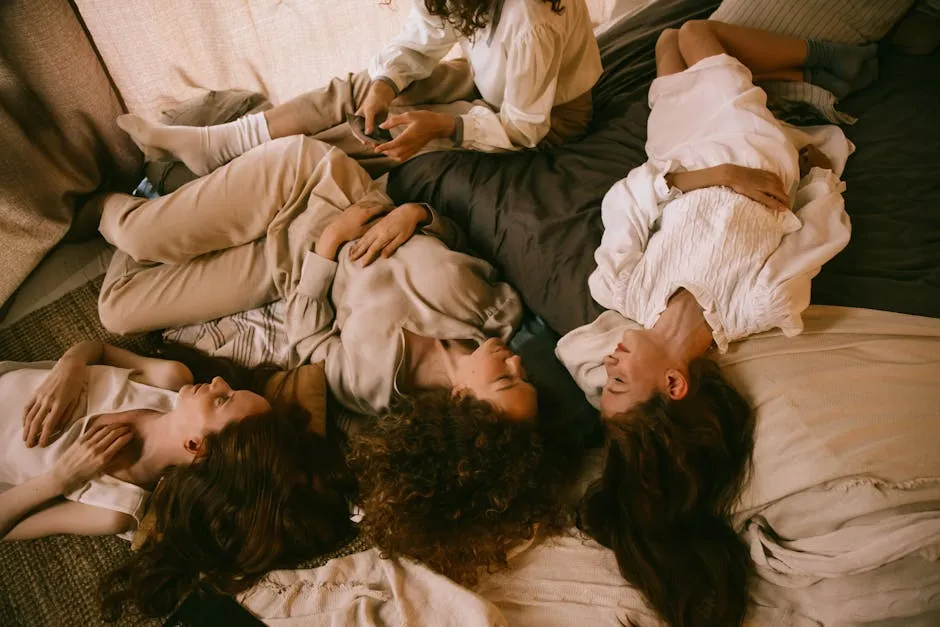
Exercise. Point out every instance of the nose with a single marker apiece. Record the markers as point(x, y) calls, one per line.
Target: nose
point(610, 360)
point(515, 365)
point(219, 384)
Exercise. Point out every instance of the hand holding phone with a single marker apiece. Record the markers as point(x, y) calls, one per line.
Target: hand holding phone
point(358, 125)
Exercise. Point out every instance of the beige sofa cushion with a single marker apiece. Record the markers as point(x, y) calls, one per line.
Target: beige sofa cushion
point(57, 135)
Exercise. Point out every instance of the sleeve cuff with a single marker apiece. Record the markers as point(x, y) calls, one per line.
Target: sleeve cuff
point(316, 276)
point(457, 137)
point(664, 193)
point(390, 82)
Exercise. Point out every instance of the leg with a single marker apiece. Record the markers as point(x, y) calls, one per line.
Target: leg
point(770, 56)
point(761, 51)
point(668, 57)
point(232, 206)
point(136, 297)
point(205, 148)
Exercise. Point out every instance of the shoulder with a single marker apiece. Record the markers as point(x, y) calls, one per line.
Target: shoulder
point(531, 17)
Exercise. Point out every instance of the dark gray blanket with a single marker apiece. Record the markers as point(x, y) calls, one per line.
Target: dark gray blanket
point(536, 215)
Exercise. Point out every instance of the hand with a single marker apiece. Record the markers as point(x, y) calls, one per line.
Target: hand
point(811, 157)
point(375, 105)
point(762, 186)
point(351, 224)
point(88, 457)
point(53, 401)
point(386, 235)
point(421, 127)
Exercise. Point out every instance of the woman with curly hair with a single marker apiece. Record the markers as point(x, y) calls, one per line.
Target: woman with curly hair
point(453, 486)
point(370, 289)
point(526, 82)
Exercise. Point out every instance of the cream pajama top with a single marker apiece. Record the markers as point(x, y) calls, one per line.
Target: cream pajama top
point(107, 390)
point(748, 267)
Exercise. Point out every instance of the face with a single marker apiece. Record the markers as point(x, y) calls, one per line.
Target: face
point(211, 406)
point(494, 373)
point(636, 370)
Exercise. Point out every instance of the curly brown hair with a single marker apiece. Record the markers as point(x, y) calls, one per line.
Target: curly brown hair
point(674, 469)
point(469, 16)
point(265, 493)
point(449, 481)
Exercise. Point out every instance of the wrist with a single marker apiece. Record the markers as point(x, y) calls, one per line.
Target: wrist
point(55, 482)
point(447, 127)
point(326, 246)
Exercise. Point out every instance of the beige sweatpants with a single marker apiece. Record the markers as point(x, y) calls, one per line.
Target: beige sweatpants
point(229, 241)
point(449, 89)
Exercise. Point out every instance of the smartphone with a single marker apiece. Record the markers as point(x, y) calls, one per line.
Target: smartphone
point(358, 125)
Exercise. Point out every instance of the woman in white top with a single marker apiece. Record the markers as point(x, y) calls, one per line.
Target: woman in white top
point(100, 408)
point(238, 487)
point(701, 247)
point(529, 69)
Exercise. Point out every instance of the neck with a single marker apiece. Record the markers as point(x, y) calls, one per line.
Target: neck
point(160, 440)
point(430, 363)
point(682, 329)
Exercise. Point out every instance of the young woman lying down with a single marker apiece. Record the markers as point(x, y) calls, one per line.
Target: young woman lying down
point(716, 237)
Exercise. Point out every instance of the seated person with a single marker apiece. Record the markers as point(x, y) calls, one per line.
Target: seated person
point(409, 329)
point(700, 248)
point(529, 69)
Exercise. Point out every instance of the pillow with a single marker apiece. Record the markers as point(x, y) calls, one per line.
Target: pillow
point(844, 21)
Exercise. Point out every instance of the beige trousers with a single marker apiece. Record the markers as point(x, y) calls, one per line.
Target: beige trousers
point(449, 89)
point(229, 241)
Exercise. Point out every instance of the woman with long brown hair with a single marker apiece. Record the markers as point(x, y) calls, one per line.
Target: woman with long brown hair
point(701, 248)
point(526, 82)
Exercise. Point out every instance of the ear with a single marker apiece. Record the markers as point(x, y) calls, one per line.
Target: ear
point(193, 447)
point(677, 384)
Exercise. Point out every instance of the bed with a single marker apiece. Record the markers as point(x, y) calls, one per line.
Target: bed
point(848, 412)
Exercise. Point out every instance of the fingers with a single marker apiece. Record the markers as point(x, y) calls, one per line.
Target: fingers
point(399, 119)
point(392, 246)
point(35, 426)
point(49, 425)
point(373, 252)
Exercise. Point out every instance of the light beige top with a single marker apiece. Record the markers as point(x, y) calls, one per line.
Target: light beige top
point(107, 390)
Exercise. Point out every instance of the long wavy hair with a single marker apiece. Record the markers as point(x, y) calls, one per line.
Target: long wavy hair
point(264, 493)
point(469, 16)
point(674, 470)
point(450, 482)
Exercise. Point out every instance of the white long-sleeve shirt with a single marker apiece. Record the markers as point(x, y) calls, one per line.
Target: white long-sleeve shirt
point(749, 268)
point(525, 61)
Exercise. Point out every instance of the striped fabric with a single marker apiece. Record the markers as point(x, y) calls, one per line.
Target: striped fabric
point(844, 21)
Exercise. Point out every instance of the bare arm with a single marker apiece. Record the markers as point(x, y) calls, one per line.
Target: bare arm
point(72, 518)
point(57, 397)
point(160, 373)
point(20, 514)
point(760, 185)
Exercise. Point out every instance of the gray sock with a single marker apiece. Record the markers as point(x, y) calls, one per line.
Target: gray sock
point(842, 61)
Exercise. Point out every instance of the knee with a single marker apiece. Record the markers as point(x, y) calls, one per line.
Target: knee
point(693, 30)
point(668, 39)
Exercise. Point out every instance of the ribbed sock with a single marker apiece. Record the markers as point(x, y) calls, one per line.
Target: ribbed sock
point(201, 148)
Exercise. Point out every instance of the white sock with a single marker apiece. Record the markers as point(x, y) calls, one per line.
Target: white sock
point(201, 148)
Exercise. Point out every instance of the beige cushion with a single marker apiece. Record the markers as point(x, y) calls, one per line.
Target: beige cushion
point(56, 131)
point(844, 21)
point(163, 53)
